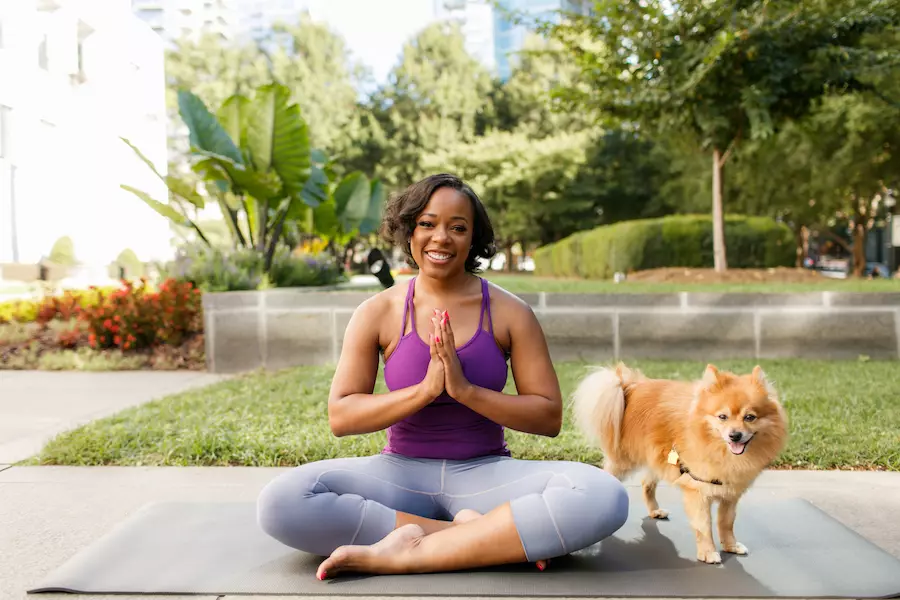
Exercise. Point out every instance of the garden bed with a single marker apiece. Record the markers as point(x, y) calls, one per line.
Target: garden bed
point(28, 346)
point(843, 415)
point(132, 327)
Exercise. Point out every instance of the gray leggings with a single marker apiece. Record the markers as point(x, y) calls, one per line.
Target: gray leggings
point(558, 507)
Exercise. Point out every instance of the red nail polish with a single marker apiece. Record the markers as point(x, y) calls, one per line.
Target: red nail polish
point(438, 340)
point(540, 567)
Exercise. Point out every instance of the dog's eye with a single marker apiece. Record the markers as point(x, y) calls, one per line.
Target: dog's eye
point(749, 418)
point(723, 417)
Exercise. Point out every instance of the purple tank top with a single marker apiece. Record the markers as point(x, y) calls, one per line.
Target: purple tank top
point(446, 429)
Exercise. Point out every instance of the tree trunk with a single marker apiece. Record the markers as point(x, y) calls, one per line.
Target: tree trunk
point(801, 236)
point(859, 247)
point(719, 259)
point(509, 257)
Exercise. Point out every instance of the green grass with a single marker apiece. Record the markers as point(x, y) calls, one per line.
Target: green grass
point(528, 283)
point(843, 415)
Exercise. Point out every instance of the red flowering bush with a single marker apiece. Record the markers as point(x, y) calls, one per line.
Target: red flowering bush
point(134, 317)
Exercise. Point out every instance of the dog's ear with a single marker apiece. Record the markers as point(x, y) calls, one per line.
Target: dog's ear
point(710, 376)
point(758, 375)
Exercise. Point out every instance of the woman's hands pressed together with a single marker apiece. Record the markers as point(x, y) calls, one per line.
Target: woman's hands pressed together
point(455, 382)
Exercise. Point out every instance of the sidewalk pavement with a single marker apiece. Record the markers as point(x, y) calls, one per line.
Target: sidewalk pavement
point(49, 514)
point(37, 405)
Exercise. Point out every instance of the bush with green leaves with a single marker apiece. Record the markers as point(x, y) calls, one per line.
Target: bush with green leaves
point(243, 269)
point(673, 241)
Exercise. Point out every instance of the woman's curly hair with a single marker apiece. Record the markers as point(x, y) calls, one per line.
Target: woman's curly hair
point(401, 212)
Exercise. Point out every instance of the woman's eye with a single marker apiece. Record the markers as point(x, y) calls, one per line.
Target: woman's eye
point(424, 224)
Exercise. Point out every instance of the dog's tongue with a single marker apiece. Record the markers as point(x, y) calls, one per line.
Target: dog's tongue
point(737, 447)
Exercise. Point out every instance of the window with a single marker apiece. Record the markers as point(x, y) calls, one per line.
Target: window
point(5, 134)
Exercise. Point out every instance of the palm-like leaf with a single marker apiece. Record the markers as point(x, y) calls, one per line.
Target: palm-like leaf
point(278, 139)
point(206, 133)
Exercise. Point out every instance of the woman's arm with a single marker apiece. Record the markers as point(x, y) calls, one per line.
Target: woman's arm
point(352, 407)
point(537, 408)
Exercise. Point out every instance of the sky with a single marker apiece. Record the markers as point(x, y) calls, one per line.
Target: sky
point(375, 30)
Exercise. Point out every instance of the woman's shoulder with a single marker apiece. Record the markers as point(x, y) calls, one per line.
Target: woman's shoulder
point(503, 299)
point(382, 303)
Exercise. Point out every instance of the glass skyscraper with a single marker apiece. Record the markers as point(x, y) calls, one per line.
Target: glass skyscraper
point(509, 37)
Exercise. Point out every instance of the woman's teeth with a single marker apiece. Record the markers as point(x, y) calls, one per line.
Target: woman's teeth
point(438, 256)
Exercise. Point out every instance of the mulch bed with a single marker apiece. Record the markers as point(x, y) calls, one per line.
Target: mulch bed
point(690, 275)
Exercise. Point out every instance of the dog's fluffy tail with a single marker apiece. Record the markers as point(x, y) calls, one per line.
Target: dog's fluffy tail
point(598, 405)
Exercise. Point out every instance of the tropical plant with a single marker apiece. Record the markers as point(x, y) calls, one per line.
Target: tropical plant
point(254, 160)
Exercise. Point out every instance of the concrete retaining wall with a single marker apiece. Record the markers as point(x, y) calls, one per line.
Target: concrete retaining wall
point(287, 327)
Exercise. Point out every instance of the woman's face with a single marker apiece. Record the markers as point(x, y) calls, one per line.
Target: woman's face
point(442, 236)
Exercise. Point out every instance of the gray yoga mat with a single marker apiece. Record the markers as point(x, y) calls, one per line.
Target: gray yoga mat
point(796, 550)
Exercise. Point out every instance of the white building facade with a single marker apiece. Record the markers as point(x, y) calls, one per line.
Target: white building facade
point(75, 77)
point(174, 19)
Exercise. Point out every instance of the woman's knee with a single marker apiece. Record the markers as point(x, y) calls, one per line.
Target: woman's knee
point(601, 502)
point(288, 509)
point(608, 500)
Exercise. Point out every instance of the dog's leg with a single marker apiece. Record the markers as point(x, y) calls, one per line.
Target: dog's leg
point(727, 514)
point(698, 511)
point(649, 488)
point(617, 469)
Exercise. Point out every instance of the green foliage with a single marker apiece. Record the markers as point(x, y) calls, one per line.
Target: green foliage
point(242, 269)
point(674, 241)
point(254, 155)
point(63, 252)
point(723, 72)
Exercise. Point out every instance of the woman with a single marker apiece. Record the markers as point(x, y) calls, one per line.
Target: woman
point(444, 494)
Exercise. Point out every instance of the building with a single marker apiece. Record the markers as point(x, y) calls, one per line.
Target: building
point(76, 76)
point(256, 17)
point(476, 19)
point(509, 36)
point(174, 19)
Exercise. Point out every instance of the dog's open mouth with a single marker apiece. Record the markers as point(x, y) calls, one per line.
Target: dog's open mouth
point(738, 447)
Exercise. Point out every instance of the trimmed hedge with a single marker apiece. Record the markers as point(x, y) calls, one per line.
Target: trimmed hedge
point(674, 241)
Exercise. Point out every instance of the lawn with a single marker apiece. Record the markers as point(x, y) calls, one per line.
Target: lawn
point(843, 415)
point(520, 283)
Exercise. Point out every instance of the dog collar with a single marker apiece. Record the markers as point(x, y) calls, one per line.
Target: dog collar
point(674, 459)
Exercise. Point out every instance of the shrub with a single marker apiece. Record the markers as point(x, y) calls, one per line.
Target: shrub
point(673, 241)
point(215, 270)
point(134, 317)
point(19, 311)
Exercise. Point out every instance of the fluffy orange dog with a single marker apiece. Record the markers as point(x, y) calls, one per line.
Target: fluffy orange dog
point(711, 438)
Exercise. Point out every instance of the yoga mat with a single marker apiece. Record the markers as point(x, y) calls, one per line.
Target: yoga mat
point(796, 550)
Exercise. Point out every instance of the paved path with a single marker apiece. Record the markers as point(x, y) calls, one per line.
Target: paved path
point(37, 405)
point(49, 514)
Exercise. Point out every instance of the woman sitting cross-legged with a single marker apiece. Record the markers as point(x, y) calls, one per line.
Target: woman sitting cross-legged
point(444, 494)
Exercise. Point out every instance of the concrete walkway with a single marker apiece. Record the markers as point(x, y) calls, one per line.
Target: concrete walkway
point(37, 405)
point(49, 514)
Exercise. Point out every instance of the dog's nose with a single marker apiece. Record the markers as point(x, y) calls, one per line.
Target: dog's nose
point(735, 436)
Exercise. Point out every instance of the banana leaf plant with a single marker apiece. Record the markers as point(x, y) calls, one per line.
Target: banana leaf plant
point(255, 160)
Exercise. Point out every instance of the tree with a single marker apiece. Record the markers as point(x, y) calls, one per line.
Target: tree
point(722, 71)
point(523, 182)
point(432, 100)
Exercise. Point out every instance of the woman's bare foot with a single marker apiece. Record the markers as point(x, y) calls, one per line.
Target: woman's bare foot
point(386, 556)
point(467, 514)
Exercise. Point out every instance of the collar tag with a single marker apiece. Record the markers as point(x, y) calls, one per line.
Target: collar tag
point(673, 457)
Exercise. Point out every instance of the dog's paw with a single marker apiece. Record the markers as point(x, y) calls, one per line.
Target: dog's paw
point(735, 548)
point(659, 514)
point(709, 556)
